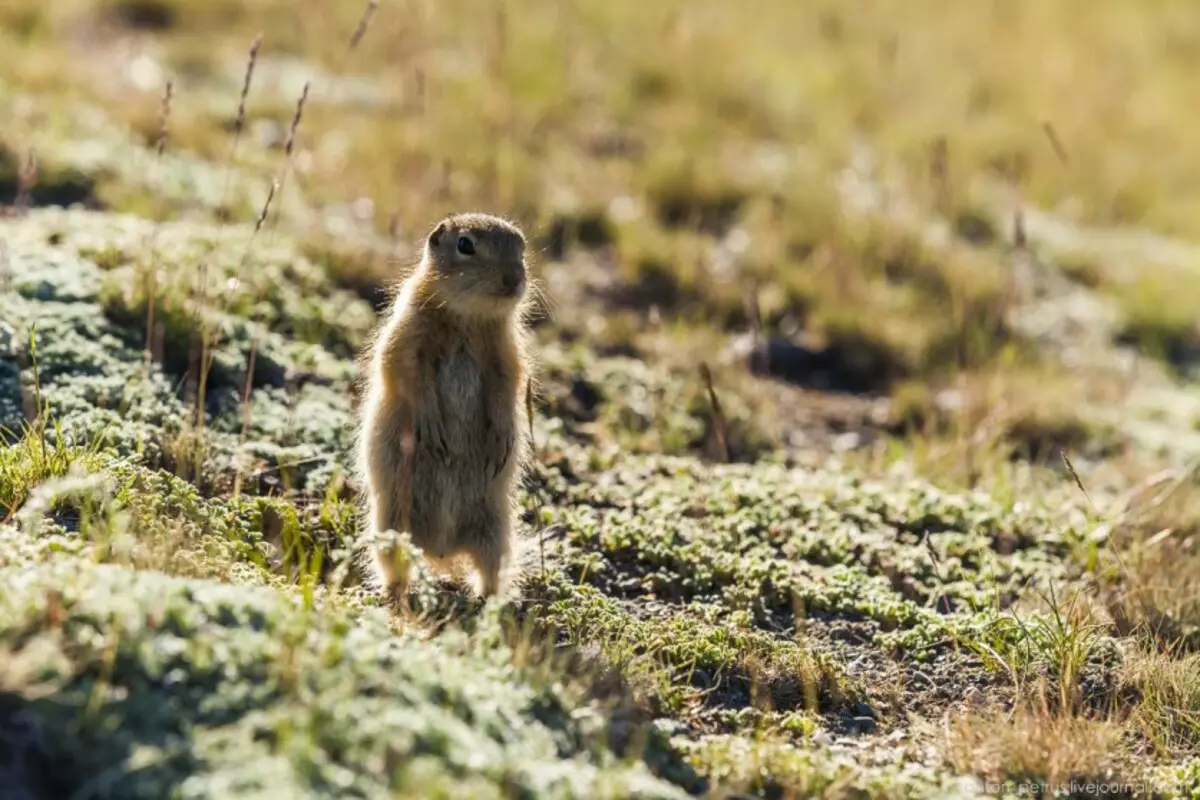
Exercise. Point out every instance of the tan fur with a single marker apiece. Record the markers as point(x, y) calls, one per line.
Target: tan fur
point(443, 433)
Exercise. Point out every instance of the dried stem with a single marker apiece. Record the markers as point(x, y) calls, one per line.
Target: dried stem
point(289, 145)
point(258, 226)
point(164, 116)
point(1055, 142)
point(239, 123)
point(296, 117)
point(1020, 235)
point(251, 62)
point(207, 345)
point(25, 182)
point(1071, 468)
point(364, 22)
point(160, 145)
point(939, 170)
point(719, 425)
point(247, 388)
point(276, 188)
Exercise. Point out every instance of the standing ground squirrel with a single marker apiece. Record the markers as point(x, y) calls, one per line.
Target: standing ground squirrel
point(442, 436)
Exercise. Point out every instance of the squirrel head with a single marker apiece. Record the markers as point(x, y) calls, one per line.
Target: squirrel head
point(477, 263)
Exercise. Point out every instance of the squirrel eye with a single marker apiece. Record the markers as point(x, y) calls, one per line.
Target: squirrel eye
point(466, 246)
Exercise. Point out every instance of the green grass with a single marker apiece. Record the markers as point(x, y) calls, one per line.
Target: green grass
point(28, 460)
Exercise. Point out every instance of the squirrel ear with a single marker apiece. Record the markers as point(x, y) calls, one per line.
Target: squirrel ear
point(435, 238)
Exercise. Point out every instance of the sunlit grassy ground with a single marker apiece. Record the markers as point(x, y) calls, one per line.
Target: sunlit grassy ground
point(941, 261)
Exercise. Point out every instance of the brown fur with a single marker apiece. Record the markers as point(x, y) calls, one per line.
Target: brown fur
point(443, 437)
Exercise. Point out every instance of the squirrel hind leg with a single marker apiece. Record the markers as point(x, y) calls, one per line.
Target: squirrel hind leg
point(491, 556)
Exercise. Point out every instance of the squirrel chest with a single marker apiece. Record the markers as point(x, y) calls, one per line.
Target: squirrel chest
point(467, 422)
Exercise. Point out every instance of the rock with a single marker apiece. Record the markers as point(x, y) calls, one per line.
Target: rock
point(865, 710)
point(865, 724)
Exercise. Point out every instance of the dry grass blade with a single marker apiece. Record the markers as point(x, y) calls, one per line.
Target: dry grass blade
point(936, 565)
point(248, 385)
point(164, 116)
point(247, 389)
point(1055, 142)
point(1071, 468)
point(364, 22)
point(720, 428)
point(266, 209)
point(939, 171)
point(239, 124)
point(258, 225)
point(251, 62)
point(1034, 741)
point(296, 117)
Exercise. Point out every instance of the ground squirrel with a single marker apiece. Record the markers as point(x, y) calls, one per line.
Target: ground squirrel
point(442, 434)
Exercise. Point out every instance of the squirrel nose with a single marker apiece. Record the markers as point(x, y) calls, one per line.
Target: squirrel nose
point(513, 280)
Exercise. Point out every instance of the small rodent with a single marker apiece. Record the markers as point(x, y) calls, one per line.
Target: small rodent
point(442, 437)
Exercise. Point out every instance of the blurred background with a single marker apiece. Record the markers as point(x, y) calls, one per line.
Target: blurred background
point(982, 214)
